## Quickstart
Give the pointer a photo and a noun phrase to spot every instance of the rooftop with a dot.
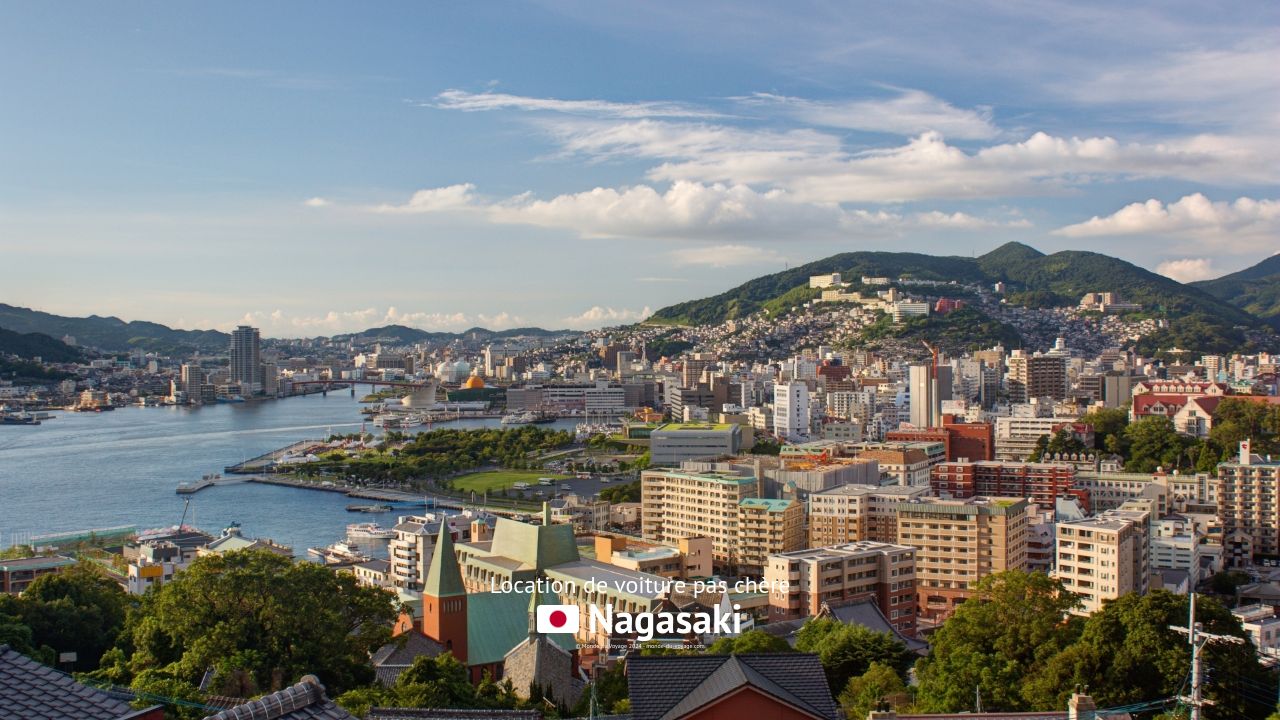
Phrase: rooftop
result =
(31, 690)
(36, 563)
(832, 552)
(304, 701)
(766, 504)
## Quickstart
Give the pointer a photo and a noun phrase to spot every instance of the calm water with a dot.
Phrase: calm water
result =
(90, 470)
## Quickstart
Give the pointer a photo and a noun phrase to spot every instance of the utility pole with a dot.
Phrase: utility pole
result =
(1198, 639)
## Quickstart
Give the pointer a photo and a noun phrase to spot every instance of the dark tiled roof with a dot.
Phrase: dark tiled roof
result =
(670, 687)
(864, 612)
(396, 656)
(31, 690)
(447, 714)
(304, 701)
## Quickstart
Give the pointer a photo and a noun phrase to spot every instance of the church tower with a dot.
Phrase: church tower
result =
(444, 599)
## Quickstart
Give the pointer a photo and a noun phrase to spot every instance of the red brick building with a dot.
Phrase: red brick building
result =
(1043, 483)
(969, 441)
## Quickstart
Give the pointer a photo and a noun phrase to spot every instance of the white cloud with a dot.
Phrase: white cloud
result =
(964, 221)
(1243, 225)
(685, 210)
(441, 199)
(727, 256)
(480, 102)
(315, 202)
(598, 316)
(1188, 269)
(911, 112)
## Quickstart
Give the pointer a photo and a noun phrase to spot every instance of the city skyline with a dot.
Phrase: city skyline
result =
(312, 172)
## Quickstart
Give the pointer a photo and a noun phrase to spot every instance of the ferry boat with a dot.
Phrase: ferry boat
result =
(369, 508)
(18, 419)
(369, 531)
(339, 553)
(520, 418)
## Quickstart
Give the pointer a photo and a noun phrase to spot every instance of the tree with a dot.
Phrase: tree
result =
(1237, 419)
(79, 610)
(847, 651)
(751, 641)
(1106, 422)
(1037, 452)
(1127, 654)
(260, 621)
(1002, 635)
(865, 692)
(1153, 442)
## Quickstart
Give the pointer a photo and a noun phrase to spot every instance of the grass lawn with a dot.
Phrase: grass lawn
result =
(502, 479)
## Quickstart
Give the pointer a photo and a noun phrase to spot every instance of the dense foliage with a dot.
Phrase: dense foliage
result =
(27, 371)
(966, 328)
(443, 452)
(847, 651)
(1016, 644)
(435, 682)
(79, 610)
(624, 493)
(259, 621)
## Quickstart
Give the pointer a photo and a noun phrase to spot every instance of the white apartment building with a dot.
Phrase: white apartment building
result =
(791, 410)
(1102, 558)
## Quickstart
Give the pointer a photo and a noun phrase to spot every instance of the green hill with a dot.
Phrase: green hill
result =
(1198, 319)
(111, 333)
(1255, 289)
(33, 345)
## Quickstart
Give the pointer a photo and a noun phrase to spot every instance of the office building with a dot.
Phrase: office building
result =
(1036, 376)
(674, 443)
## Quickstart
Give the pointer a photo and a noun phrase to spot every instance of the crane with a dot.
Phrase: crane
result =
(933, 353)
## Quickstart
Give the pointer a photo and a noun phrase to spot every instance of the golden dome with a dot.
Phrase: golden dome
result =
(473, 383)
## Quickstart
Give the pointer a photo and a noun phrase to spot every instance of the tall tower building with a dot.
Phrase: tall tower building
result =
(929, 387)
(246, 363)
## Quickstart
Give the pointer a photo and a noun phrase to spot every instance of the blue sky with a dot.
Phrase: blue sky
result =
(324, 167)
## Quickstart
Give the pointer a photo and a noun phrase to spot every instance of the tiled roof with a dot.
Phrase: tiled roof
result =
(30, 690)
(672, 687)
(396, 656)
(304, 701)
(447, 714)
(863, 612)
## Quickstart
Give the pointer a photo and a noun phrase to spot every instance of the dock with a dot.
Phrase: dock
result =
(267, 461)
(393, 496)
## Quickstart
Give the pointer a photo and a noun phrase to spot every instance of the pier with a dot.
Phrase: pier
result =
(395, 496)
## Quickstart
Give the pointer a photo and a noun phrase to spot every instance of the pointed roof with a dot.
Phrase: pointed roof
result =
(444, 576)
(674, 687)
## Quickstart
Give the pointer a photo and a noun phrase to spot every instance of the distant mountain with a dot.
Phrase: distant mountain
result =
(111, 333)
(408, 335)
(1198, 319)
(33, 345)
(1255, 289)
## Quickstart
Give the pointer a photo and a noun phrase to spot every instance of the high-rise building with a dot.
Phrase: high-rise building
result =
(1102, 558)
(1249, 501)
(959, 542)
(929, 386)
(191, 378)
(854, 513)
(1036, 376)
(246, 360)
(791, 410)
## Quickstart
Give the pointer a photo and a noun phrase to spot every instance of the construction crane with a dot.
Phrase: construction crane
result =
(933, 353)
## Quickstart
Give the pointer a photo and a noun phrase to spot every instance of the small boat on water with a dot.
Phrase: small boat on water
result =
(519, 418)
(369, 508)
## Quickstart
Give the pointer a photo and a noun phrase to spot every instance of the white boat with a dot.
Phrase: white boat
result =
(520, 418)
(369, 531)
(339, 552)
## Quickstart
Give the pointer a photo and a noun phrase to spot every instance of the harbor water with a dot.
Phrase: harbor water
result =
(95, 470)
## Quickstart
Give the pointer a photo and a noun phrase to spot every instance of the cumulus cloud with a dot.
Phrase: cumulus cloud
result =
(315, 202)
(1242, 225)
(441, 199)
(279, 323)
(598, 316)
(727, 256)
(480, 102)
(1188, 269)
(911, 112)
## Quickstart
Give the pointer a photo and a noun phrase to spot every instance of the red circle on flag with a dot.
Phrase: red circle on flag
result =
(558, 618)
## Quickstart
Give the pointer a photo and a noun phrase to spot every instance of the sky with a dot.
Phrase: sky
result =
(315, 168)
